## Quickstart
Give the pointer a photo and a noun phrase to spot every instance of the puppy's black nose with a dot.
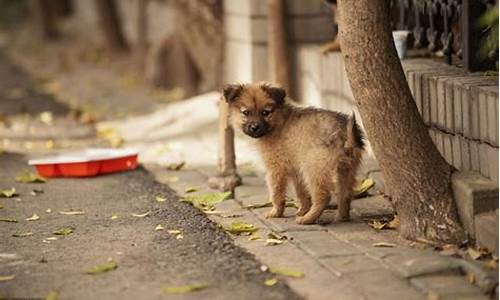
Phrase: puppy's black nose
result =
(255, 128)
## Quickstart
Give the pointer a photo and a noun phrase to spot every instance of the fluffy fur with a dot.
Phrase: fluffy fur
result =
(311, 148)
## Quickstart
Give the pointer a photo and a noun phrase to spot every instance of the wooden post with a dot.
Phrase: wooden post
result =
(277, 44)
(227, 177)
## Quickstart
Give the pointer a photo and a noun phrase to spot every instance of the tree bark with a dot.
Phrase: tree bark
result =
(277, 44)
(46, 16)
(418, 177)
(110, 23)
(142, 33)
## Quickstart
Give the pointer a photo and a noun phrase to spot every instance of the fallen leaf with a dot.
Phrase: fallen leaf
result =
(377, 224)
(286, 272)
(30, 177)
(72, 212)
(191, 190)
(394, 224)
(176, 166)
(35, 192)
(206, 201)
(48, 210)
(159, 227)
(112, 135)
(384, 244)
(64, 231)
(34, 217)
(184, 289)
(270, 282)
(142, 215)
(238, 228)
(269, 204)
(179, 237)
(474, 254)
(102, 268)
(174, 231)
(8, 277)
(53, 295)
(362, 188)
(114, 217)
(254, 237)
(276, 236)
(51, 238)
(449, 250)
(8, 193)
(160, 199)
(24, 234)
(10, 220)
(492, 264)
(273, 242)
(46, 117)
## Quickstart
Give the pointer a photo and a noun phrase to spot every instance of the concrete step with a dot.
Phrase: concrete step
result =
(487, 230)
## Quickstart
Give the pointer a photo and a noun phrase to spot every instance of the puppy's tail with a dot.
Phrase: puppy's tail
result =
(355, 137)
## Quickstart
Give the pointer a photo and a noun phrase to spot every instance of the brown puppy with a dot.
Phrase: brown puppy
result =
(312, 148)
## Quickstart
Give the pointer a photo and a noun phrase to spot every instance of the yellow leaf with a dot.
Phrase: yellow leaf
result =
(270, 282)
(273, 242)
(241, 228)
(114, 217)
(6, 278)
(159, 227)
(160, 199)
(72, 212)
(102, 268)
(8, 193)
(9, 220)
(363, 187)
(286, 272)
(184, 289)
(378, 225)
(46, 117)
(34, 217)
(64, 231)
(179, 237)
(24, 234)
(142, 215)
(191, 190)
(29, 177)
(384, 244)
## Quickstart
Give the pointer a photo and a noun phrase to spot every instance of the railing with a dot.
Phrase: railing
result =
(445, 27)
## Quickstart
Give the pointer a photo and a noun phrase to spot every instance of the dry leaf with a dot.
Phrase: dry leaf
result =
(206, 201)
(53, 295)
(64, 231)
(286, 272)
(51, 238)
(24, 234)
(160, 199)
(72, 212)
(273, 242)
(46, 117)
(363, 187)
(394, 224)
(474, 254)
(106, 267)
(159, 227)
(176, 166)
(142, 215)
(9, 220)
(8, 193)
(114, 217)
(184, 289)
(8, 277)
(238, 228)
(253, 237)
(384, 244)
(34, 217)
(179, 237)
(174, 231)
(30, 177)
(270, 282)
(377, 224)
(190, 190)
(471, 277)
(48, 210)
(276, 236)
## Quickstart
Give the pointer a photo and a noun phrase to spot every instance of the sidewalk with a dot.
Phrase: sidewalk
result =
(341, 260)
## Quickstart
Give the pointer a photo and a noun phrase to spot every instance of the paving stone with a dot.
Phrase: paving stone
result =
(317, 283)
(370, 207)
(447, 287)
(474, 194)
(486, 228)
(321, 244)
(384, 285)
(286, 224)
(351, 263)
(421, 263)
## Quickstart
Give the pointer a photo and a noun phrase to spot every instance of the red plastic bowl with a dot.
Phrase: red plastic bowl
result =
(90, 162)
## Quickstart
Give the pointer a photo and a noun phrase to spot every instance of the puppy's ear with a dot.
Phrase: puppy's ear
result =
(276, 93)
(232, 91)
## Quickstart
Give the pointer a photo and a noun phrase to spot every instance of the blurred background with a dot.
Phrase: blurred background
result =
(145, 73)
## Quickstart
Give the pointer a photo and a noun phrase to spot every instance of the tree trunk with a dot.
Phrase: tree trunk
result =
(110, 23)
(142, 33)
(417, 175)
(46, 16)
(277, 44)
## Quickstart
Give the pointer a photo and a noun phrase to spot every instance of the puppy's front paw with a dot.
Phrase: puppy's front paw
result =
(302, 211)
(304, 220)
(274, 213)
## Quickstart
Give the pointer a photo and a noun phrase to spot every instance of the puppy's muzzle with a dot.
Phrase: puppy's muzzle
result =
(256, 130)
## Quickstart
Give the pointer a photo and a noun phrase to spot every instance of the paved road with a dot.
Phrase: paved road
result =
(148, 260)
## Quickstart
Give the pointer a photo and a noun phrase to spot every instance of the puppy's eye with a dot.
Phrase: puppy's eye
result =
(245, 112)
(266, 112)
